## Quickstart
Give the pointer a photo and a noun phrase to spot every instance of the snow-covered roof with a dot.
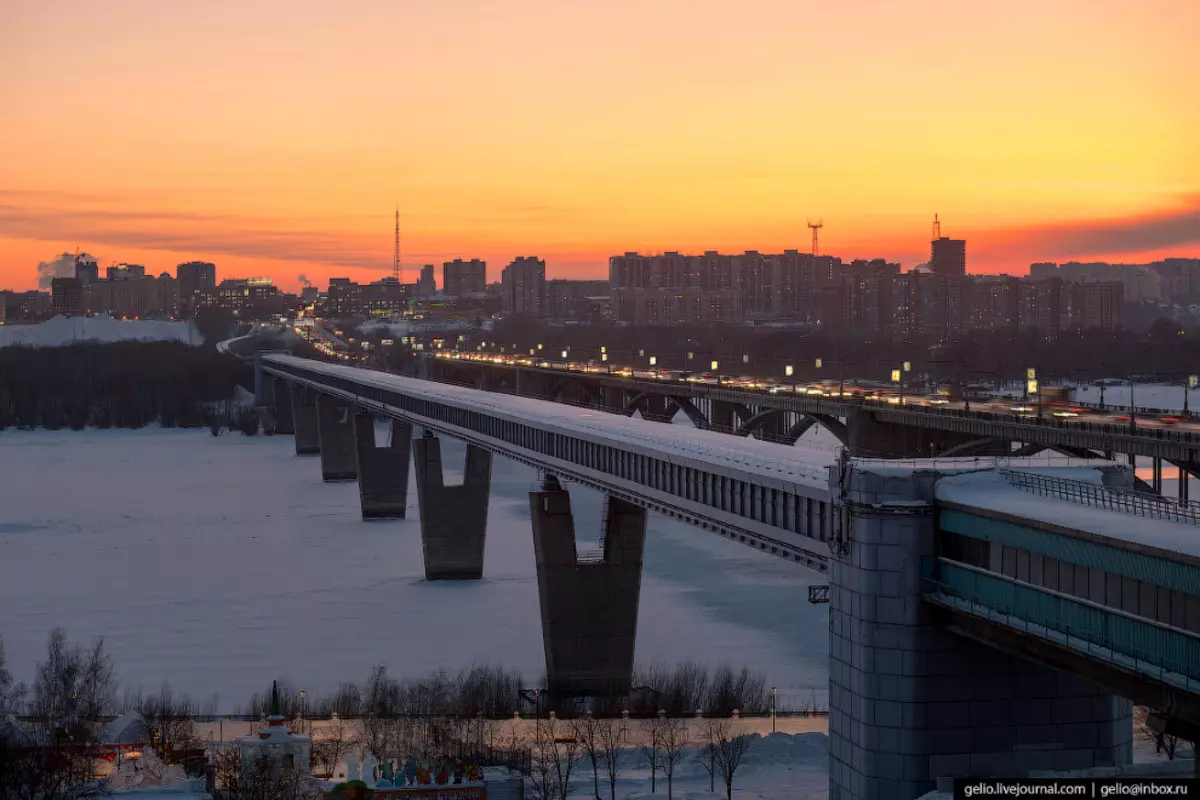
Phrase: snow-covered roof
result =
(989, 490)
(129, 728)
(799, 465)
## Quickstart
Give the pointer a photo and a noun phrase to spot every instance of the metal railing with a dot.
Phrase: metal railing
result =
(1091, 494)
(1160, 651)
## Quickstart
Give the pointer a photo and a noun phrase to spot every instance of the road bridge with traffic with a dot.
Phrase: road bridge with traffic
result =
(986, 617)
(882, 428)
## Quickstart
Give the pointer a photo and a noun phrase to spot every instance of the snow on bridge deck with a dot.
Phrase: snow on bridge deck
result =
(990, 491)
(800, 464)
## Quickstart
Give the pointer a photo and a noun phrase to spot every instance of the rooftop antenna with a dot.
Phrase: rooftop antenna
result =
(396, 255)
(937, 228)
(816, 225)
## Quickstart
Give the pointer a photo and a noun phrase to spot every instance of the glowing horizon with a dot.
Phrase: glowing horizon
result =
(276, 139)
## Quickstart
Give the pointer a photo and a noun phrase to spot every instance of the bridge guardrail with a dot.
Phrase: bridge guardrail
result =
(1167, 653)
(1090, 494)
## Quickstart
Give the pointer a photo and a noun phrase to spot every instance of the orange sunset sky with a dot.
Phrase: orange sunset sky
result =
(276, 138)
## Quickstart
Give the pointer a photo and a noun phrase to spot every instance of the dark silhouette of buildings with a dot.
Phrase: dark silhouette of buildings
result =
(66, 297)
(523, 286)
(462, 278)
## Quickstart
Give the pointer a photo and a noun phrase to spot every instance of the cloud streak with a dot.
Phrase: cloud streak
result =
(1099, 238)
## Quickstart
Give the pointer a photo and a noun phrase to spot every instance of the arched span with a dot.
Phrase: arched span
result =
(684, 404)
(832, 424)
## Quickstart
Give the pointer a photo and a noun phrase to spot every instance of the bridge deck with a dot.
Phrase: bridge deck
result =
(801, 465)
(756, 493)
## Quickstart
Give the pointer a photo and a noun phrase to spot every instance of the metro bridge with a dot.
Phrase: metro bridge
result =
(986, 617)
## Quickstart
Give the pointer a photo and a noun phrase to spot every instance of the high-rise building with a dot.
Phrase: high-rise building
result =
(193, 279)
(66, 297)
(949, 257)
(462, 278)
(86, 271)
(426, 287)
(523, 286)
(124, 272)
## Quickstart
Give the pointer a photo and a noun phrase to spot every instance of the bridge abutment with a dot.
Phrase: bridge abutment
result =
(304, 420)
(281, 406)
(590, 603)
(382, 470)
(453, 518)
(911, 702)
(335, 438)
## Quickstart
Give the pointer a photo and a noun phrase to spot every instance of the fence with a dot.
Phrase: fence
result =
(1090, 494)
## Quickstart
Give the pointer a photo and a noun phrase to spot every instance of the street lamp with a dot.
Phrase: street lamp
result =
(788, 372)
(1191, 384)
(653, 361)
(899, 383)
(772, 709)
(303, 706)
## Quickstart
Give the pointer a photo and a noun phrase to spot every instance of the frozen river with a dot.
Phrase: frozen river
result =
(221, 563)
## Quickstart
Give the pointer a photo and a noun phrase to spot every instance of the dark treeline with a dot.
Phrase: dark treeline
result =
(494, 691)
(115, 385)
(1166, 351)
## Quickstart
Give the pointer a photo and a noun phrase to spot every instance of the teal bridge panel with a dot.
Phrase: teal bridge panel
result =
(1150, 648)
(1177, 575)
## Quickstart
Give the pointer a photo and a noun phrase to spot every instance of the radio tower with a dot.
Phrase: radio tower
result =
(396, 255)
(816, 225)
(937, 228)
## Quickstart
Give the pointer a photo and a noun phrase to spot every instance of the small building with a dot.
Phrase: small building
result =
(275, 741)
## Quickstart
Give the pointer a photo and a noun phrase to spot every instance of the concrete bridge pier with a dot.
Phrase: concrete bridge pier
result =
(382, 470)
(281, 406)
(589, 601)
(724, 416)
(614, 397)
(910, 701)
(335, 438)
(304, 419)
(453, 518)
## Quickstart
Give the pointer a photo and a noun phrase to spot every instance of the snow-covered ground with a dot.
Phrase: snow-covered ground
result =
(61, 331)
(222, 563)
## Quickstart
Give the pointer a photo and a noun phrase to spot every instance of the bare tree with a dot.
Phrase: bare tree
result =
(73, 689)
(382, 703)
(265, 779)
(672, 740)
(707, 756)
(168, 719)
(330, 744)
(726, 750)
(587, 733)
(1163, 742)
(651, 730)
(613, 735)
(555, 755)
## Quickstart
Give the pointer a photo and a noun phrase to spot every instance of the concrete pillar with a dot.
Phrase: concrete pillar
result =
(911, 702)
(453, 518)
(722, 416)
(590, 604)
(281, 403)
(304, 419)
(335, 437)
(382, 471)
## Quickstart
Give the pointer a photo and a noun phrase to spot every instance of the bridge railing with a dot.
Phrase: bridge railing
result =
(1090, 494)
(1167, 653)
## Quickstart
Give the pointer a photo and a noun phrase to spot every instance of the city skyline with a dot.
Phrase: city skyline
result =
(1037, 134)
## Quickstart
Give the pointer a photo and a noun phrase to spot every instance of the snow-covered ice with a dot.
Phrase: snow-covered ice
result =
(222, 563)
(61, 331)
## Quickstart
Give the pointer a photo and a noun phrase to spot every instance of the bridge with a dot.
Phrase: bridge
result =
(985, 617)
(883, 428)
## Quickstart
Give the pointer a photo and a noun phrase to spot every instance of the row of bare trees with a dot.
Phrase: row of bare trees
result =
(606, 745)
(494, 691)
